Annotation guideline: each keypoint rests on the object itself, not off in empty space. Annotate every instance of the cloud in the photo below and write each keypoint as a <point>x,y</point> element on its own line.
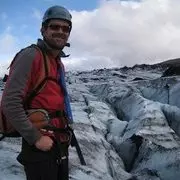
<point>116,33</point>
<point>87,63</point>
<point>8,48</point>
<point>7,43</point>
<point>126,33</point>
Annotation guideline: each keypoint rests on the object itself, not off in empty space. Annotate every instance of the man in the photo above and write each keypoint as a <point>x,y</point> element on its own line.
<point>41,149</point>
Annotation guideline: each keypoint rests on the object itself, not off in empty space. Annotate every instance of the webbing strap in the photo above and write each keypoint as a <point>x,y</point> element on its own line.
<point>41,84</point>
<point>34,92</point>
<point>4,123</point>
<point>56,114</point>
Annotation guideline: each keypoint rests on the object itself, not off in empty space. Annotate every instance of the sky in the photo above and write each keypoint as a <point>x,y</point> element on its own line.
<point>105,33</point>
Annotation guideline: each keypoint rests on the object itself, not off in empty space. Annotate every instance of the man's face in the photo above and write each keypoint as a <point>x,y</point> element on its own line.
<point>56,33</point>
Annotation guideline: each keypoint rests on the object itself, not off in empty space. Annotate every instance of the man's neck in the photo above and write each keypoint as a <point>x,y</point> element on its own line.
<point>55,53</point>
<point>52,52</point>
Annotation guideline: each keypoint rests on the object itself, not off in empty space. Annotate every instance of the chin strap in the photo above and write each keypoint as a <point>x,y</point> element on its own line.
<point>62,54</point>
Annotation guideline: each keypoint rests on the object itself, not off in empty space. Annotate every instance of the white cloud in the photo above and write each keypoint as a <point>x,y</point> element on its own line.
<point>117,33</point>
<point>8,48</point>
<point>127,33</point>
<point>87,63</point>
<point>7,43</point>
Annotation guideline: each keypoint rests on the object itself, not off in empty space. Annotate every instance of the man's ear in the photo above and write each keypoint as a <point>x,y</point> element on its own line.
<point>42,30</point>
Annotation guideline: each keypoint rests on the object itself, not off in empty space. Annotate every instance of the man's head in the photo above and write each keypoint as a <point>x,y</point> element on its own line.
<point>56,27</point>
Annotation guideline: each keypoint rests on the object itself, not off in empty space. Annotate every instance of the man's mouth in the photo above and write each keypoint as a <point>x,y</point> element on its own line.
<point>58,38</point>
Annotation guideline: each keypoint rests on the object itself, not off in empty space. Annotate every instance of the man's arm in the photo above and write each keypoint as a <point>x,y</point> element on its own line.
<point>15,89</point>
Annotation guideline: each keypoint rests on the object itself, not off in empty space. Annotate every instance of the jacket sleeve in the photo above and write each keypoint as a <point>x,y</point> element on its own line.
<point>14,92</point>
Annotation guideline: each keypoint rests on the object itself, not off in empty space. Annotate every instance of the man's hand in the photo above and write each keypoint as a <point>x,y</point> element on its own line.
<point>45,143</point>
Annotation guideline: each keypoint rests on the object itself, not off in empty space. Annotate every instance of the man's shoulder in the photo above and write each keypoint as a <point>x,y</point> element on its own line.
<point>27,51</point>
<point>33,48</point>
<point>26,55</point>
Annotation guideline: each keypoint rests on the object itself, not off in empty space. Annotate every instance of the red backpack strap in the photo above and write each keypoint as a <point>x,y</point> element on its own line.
<point>42,79</point>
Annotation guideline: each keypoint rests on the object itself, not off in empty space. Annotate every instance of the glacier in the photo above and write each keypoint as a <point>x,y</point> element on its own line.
<point>127,122</point>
